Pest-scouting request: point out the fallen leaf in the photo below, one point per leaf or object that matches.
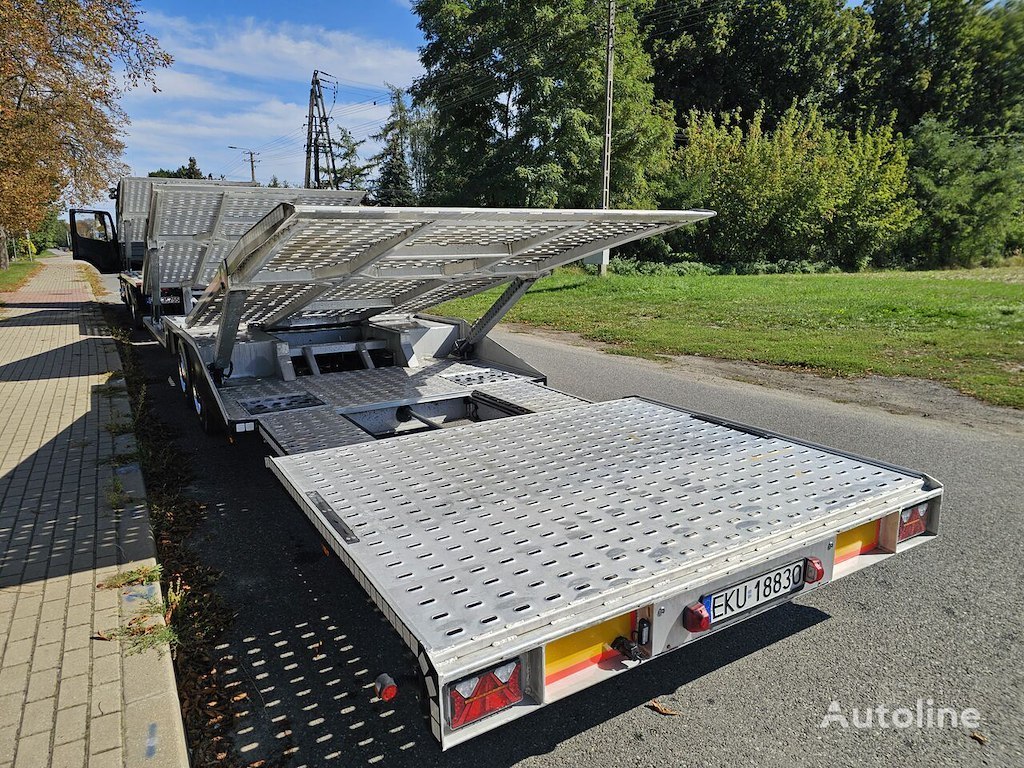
(660, 708)
(979, 737)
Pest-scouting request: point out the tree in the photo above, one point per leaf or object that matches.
(752, 54)
(63, 66)
(190, 171)
(920, 59)
(516, 89)
(394, 180)
(52, 231)
(800, 193)
(351, 172)
(997, 100)
(971, 195)
(422, 143)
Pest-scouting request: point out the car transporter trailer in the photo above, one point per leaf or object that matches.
(525, 544)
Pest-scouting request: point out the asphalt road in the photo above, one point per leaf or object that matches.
(943, 622)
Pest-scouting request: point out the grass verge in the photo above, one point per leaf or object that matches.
(145, 574)
(194, 614)
(962, 328)
(17, 274)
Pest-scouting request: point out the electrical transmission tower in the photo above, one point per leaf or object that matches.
(321, 165)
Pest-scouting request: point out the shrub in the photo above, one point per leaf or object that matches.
(803, 192)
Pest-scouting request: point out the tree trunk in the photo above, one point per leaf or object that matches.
(4, 260)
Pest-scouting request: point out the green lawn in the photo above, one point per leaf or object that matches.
(17, 274)
(963, 328)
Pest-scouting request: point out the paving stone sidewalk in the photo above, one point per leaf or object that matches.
(66, 698)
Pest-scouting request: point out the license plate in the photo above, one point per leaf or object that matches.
(750, 594)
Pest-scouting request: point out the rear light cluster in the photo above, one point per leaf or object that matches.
(481, 695)
(913, 522)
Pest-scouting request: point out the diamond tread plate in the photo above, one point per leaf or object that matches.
(470, 531)
(362, 390)
(315, 429)
(529, 395)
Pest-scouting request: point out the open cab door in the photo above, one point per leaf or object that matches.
(93, 239)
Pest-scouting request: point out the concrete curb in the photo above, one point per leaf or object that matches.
(153, 731)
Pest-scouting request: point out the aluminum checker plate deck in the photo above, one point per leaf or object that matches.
(312, 429)
(319, 428)
(350, 391)
(472, 535)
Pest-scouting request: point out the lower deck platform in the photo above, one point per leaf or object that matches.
(467, 536)
(353, 391)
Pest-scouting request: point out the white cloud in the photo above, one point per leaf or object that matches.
(285, 51)
(245, 83)
(273, 128)
(175, 84)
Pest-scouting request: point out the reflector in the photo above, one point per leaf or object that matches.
(475, 697)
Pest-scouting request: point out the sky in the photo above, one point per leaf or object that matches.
(241, 77)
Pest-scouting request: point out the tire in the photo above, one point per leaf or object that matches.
(134, 310)
(202, 399)
(184, 373)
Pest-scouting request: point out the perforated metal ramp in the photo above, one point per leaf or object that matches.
(192, 227)
(311, 265)
(465, 536)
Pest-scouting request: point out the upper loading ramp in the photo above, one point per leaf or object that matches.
(190, 228)
(313, 265)
(134, 198)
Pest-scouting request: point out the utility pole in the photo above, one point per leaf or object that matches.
(252, 159)
(601, 259)
(318, 137)
(309, 133)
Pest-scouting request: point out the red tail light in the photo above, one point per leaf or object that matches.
(481, 695)
(913, 522)
(696, 618)
(814, 570)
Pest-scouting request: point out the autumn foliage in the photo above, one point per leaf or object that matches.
(63, 66)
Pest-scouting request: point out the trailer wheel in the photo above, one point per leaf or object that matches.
(201, 397)
(203, 405)
(184, 373)
(134, 310)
